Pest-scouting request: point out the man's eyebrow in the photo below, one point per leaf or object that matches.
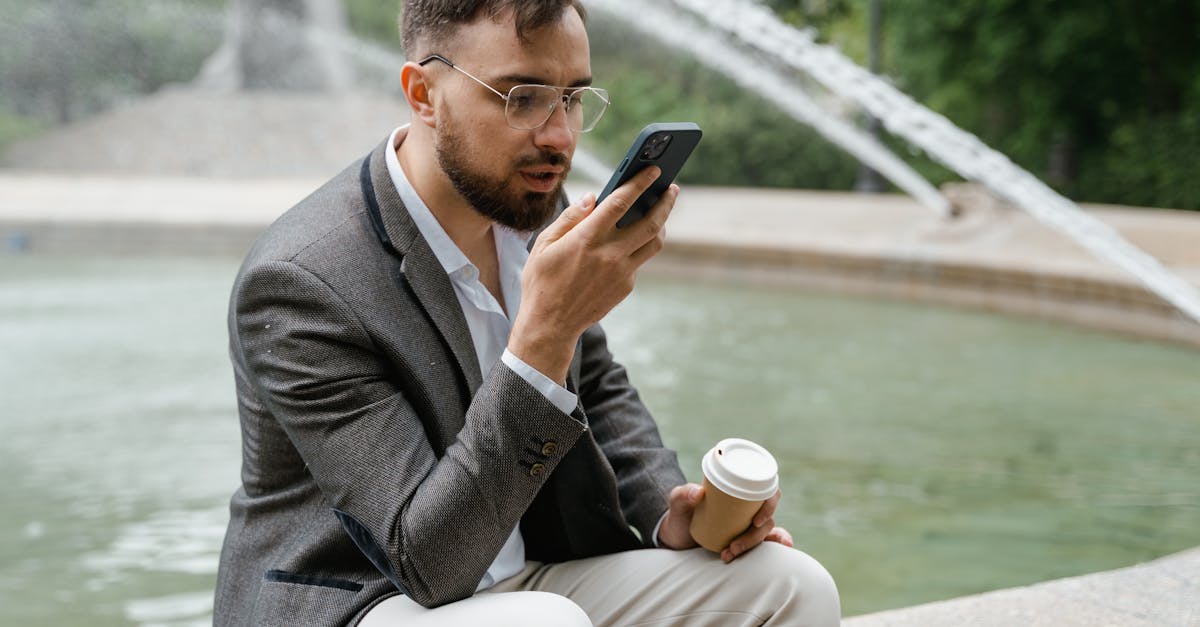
(522, 79)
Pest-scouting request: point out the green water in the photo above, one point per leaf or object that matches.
(927, 453)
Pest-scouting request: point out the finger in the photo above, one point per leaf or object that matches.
(663, 207)
(767, 511)
(569, 218)
(683, 499)
(604, 218)
(650, 229)
(748, 540)
(649, 249)
(780, 535)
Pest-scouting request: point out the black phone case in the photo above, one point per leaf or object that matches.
(684, 138)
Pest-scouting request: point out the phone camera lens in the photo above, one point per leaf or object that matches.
(656, 146)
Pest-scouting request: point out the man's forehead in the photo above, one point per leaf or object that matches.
(551, 53)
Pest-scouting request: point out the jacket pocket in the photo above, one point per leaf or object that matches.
(288, 599)
(282, 576)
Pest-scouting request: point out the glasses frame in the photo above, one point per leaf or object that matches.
(564, 97)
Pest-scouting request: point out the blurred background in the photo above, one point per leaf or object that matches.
(1102, 104)
(928, 451)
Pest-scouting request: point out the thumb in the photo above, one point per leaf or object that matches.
(683, 499)
(569, 218)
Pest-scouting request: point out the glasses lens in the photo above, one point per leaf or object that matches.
(586, 108)
(530, 106)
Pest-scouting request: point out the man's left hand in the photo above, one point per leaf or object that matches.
(675, 533)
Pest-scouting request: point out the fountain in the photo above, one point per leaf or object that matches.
(759, 29)
(261, 50)
(779, 89)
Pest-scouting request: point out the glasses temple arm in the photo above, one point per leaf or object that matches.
(438, 57)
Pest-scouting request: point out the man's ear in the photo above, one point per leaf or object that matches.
(416, 91)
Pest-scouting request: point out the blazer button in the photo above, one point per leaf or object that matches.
(536, 470)
(549, 448)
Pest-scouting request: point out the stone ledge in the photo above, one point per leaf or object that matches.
(994, 260)
(1107, 304)
(1161, 593)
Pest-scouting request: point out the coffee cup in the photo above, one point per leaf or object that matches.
(738, 476)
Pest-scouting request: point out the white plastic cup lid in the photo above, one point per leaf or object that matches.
(742, 469)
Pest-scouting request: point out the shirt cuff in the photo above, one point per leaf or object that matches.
(654, 537)
(560, 397)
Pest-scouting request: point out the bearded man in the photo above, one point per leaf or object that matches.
(434, 431)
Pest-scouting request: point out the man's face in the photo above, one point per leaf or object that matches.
(512, 177)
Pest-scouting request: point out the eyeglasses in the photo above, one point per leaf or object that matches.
(528, 107)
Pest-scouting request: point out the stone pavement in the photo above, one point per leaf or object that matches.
(991, 257)
(1162, 593)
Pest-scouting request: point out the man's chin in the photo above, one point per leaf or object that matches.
(526, 211)
(540, 208)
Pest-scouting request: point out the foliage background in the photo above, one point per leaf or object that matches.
(1101, 101)
(61, 60)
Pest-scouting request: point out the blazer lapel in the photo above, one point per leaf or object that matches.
(419, 266)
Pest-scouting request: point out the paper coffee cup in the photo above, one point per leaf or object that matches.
(738, 476)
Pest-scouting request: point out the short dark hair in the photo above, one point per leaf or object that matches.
(432, 21)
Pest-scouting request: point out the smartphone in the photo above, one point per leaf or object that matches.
(664, 144)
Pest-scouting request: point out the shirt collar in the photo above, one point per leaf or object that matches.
(448, 254)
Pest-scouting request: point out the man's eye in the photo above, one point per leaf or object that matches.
(522, 101)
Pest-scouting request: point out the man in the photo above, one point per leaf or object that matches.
(434, 431)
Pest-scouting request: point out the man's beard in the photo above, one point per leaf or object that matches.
(517, 211)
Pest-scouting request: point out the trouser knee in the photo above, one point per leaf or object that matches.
(795, 578)
(556, 610)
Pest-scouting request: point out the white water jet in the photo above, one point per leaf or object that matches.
(760, 29)
(773, 86)
(336, 45)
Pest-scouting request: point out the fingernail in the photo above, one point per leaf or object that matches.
(693, 493)
(758, 522)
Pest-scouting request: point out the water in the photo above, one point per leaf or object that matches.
(758, 28)
(926, 452)
(119, 447)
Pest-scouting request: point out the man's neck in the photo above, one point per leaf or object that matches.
(469, 230)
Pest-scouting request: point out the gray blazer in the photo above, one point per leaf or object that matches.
(375, 459)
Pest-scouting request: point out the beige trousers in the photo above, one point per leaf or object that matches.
(770, 585)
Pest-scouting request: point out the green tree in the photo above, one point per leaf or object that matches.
(747, 141)
(376, 20)
(1079, 93)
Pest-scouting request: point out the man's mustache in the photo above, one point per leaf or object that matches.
(545, 157)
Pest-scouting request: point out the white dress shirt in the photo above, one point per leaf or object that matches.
(486, 320)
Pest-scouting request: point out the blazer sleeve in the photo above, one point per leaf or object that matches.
(627, 434)
(432, 525)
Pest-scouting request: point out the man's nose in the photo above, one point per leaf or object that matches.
(556, 133)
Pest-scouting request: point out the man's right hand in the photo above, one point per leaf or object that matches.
(580, 267)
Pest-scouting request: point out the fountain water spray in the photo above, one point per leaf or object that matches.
(750, 73)
(760, 29)
(326, 32)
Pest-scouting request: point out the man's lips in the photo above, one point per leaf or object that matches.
(542, 179)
